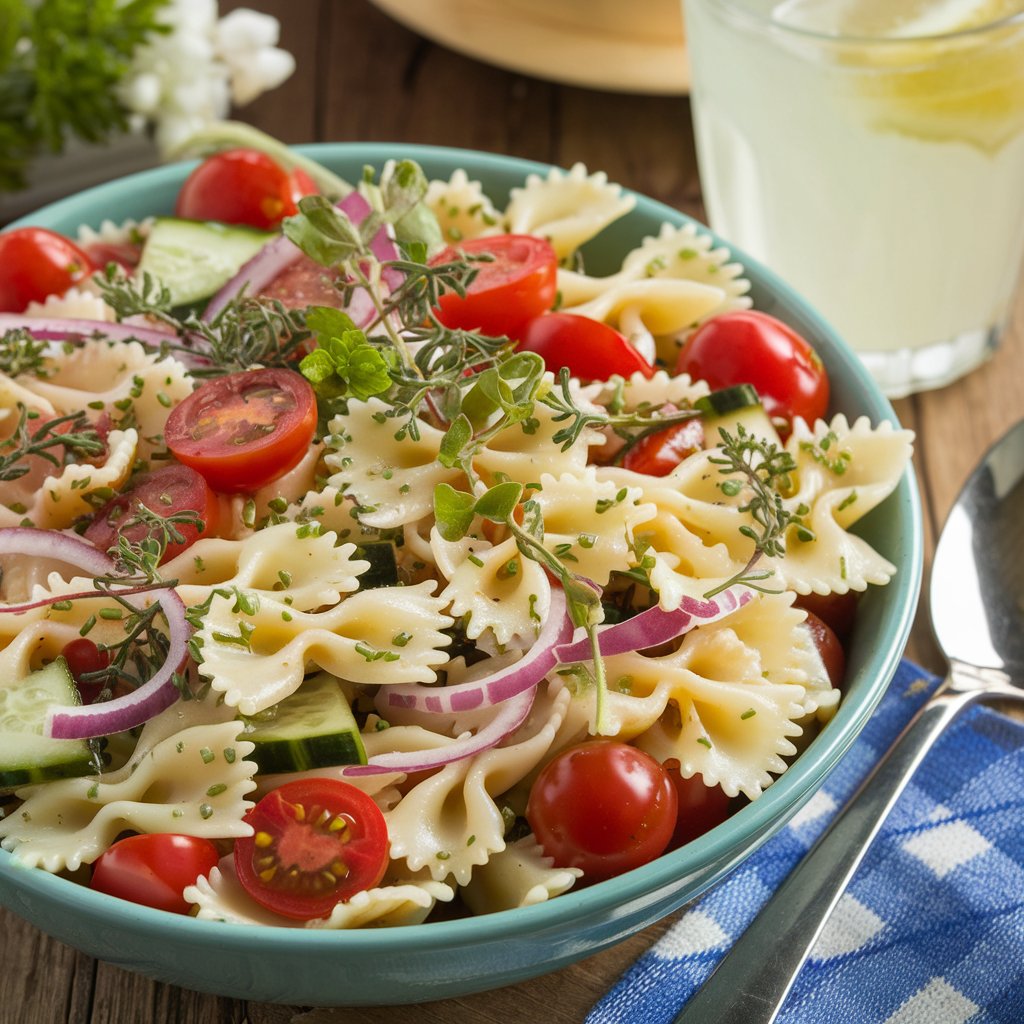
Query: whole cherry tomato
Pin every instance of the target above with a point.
(750, 347)
(243, 186)
(836, 610)
(316, 842)
(602, 806)
(154, 869)
(244, 430)
(589, 348)
(516, 281)
(831, 650)
(83, 657)
(701, 807)
(35, 263)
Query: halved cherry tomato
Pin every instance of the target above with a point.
(701, 807)
(518, 282)
(591, 349)
(829, 647)
(750, 347)
(836, 610)
(154, 869)
(35, 263)
(659, 453)
(244, 430)
(84, 657)
(243, 186)
(602, 806)
(165, 491)
(316, 843)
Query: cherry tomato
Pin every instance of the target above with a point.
(659, 453)
(35, 263)
(602, 806)
(166, 491)
(154, 869)
(701, 807)
(243, 186)
(244, 430)
(750, 347)
(829, 647)
(84, 657)
(517, 283)
(316, 843)
(835, 610)
(591, 349)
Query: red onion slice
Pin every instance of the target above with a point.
(500, 686)
(280, 253)
(510, 715)
(656, 626)
(131, 710)
(60, 547)
(48, 328)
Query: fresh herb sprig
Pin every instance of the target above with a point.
(72, 434)
(21, 353)
(759, 472)
(60, 63)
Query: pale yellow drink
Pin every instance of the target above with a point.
(871, 152)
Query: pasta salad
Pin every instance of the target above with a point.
(363, 553)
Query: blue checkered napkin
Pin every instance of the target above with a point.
(932, 929)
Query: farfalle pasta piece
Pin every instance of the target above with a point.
(568, 208)
(190, 780)
(523, 453)
(495, 588)
(858, 467)
(256, 655)
(57, 501)
(591, 521)
(462, 209)
(450, 822)
(392, 480)
(519, 876)
(725, 704)
(74, 304)
(220, 897)
(117, 376)
(304, 571)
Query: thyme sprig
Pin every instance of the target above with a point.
(72, 434)
(761, 472)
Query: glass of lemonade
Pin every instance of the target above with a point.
(871, 152)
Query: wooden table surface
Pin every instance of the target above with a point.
(364, 77)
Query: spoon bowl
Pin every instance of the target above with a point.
(977, 582)
(977, 600)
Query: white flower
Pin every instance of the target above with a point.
(183, 80)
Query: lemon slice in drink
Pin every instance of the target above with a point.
(933, 75)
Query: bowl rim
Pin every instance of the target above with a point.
(760, 818)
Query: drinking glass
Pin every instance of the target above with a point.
(871, 152)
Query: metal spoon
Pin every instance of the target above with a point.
(977, 608)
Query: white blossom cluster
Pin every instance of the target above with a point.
(184, 79)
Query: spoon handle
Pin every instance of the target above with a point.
(754, 978)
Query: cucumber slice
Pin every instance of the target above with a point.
(194, 259)
(26, 755)
(729, 407)
(313, 728)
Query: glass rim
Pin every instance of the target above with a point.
(741, 9)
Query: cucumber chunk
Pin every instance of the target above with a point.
(313, 728)
(735, 405)
(26, 755)
(194, 259)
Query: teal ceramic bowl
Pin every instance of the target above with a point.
(451, 958)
